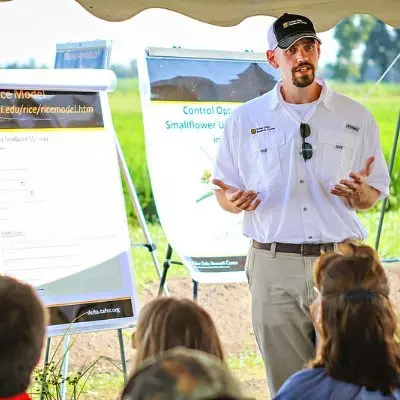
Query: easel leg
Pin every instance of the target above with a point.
(195, 289)
(137, 207)
(167, 264)
(64, 366)
(46, 360)
(122, 352)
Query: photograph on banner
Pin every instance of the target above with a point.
(185, 102)
(93, 54)
(62, 211)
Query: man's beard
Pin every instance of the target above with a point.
(304, 80)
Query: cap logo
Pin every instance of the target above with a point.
(294, 22)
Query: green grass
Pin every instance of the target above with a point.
(246, 360)
(128, 124)
(384, 104)
(390, 239)
(104, 386)
(100, 386)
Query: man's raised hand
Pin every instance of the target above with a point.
(245, 200)
(357, 192)
(356, 187)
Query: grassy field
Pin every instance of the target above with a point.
(384, 103)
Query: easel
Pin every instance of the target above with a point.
(151, 247)
(163, 93)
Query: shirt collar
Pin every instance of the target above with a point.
(22, 396)
(325, 96)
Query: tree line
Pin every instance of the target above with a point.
(367, 47)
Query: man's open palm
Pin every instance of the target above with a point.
(245, 200)
(354, 188)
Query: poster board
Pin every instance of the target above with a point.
(90, 54)
(63, 222)
(186, 96)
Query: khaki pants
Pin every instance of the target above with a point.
(281, 288)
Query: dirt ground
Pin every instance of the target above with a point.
(229, 305)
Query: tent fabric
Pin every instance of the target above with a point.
(325, 14)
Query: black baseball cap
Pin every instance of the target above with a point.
(288, 29)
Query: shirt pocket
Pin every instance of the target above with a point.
(265, 153)
(334, 155)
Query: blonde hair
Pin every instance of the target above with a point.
(168, 322)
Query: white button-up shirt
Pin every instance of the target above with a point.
(261, 150)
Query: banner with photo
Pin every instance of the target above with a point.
(63, 222)
(186, 96)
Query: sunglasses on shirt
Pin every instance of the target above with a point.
(306, 148)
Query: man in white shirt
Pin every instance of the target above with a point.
(299, 161)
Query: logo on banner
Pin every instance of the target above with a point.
(266, 128)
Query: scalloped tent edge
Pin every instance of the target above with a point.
(325, 14)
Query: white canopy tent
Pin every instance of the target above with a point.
(325, 14)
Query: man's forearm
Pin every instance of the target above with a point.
(367, 200)
(225, 203)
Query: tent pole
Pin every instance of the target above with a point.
(391, 165)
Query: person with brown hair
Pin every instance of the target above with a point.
(22, 332)
(358, 356)
(168, 322)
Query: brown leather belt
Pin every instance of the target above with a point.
(305, 249)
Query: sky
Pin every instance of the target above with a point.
(32, 28)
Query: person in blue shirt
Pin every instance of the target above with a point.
(358, 352)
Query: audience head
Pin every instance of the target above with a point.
(359, 343)
(182, 373)
(168, 322)
(22, 331)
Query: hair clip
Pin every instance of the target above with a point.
(360, 294)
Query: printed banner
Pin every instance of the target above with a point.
(63, 223)
(185, 103)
